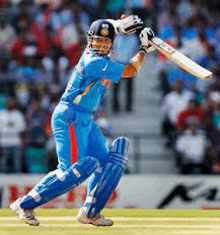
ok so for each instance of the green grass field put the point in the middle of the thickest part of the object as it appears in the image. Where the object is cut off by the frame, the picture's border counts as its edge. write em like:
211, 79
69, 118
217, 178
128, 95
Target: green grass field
127, 221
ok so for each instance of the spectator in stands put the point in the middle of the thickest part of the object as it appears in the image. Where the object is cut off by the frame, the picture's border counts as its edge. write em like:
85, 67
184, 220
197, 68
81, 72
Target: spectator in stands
22, 94
7, 37
64, 69
192, 41
211, 96
48, 17
215, 88
29, 68
202, 86
193, 114
125, 47
47, 28
192, 149
210, 104
48, 60
205, 26
166, 29
173, 103
13, 126
167, 67
5, 3
184, 10
56, 62
179, 74
41, 75
115, 8
48, 63
216, 39
35, 153
92, 8
216, 115
18, 49
214, 137
211, 59
72, 34
141, 8
22, 15
55, 87
50, 157
23, 23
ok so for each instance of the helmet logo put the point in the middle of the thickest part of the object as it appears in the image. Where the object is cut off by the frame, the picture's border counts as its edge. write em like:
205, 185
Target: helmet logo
105, 31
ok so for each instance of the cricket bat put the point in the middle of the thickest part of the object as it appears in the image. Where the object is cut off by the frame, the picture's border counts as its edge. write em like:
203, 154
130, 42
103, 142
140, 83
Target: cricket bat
181, 60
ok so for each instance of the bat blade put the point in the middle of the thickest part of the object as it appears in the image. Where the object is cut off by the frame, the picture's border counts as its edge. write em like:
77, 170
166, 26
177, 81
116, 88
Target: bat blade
181, 60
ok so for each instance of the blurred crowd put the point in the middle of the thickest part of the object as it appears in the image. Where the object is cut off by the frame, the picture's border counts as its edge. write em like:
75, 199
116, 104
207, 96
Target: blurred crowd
42, 40
40, 43
191, 106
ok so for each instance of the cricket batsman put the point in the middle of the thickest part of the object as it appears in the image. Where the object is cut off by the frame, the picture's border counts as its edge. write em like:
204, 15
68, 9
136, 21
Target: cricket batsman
82, 149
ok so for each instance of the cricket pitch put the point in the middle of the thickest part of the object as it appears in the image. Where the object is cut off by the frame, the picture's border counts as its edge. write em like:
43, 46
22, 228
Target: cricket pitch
127, 221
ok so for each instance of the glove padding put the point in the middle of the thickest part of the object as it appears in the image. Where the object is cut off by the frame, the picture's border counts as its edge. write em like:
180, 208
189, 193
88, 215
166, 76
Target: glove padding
129, 25
146, 35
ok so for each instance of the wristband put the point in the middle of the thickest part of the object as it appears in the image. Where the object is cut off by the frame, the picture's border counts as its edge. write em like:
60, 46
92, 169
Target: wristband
143, 49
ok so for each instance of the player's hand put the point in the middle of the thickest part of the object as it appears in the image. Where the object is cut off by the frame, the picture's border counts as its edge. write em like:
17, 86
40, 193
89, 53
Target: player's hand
129, 24
145, 35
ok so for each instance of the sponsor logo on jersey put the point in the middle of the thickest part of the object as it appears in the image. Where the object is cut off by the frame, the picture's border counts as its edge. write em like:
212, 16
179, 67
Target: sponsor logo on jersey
105, 82
104, 68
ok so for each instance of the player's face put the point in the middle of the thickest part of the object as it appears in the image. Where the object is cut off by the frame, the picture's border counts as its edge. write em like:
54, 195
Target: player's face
100, 45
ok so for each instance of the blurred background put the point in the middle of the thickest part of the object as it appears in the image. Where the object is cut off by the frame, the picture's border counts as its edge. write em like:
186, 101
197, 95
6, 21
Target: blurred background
171, 117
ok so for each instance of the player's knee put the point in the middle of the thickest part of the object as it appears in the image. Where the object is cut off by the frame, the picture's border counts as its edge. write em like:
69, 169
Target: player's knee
85, 167
82, 168
119, 151
60, 174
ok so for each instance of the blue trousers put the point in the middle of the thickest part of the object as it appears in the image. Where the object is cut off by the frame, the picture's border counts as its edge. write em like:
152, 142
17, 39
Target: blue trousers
81, 148
77, 135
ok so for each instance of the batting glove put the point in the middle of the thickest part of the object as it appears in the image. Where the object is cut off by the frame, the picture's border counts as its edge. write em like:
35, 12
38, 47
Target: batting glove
128, 25
146, 35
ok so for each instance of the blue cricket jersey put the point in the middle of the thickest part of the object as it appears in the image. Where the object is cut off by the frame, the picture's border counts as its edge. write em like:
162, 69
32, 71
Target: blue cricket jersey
90, 79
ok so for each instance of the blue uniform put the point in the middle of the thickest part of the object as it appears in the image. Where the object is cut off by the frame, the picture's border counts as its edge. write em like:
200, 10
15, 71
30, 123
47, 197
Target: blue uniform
90, 80
82, 149
76, 134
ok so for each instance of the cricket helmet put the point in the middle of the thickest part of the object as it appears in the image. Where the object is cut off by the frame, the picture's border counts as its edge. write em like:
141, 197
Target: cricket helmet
100, 37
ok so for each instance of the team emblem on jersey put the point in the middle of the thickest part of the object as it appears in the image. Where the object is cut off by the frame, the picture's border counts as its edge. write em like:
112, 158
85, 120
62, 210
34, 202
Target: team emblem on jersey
106, 82
105, 31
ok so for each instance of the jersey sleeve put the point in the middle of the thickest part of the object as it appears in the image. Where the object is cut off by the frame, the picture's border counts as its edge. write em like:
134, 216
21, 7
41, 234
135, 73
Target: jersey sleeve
107, 69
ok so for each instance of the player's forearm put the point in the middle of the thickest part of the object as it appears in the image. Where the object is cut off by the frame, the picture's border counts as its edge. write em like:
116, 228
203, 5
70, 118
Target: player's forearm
134, 65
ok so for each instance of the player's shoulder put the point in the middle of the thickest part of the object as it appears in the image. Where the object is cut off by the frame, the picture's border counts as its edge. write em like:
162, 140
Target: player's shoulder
93, 63
100, 61
93, 58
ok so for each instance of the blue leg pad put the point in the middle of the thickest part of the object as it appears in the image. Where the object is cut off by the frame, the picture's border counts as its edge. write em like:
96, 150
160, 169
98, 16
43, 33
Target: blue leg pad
104, 180
58, 182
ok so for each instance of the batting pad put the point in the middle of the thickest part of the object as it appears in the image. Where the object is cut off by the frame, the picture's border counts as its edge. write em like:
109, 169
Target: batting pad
58, 182
104, 180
